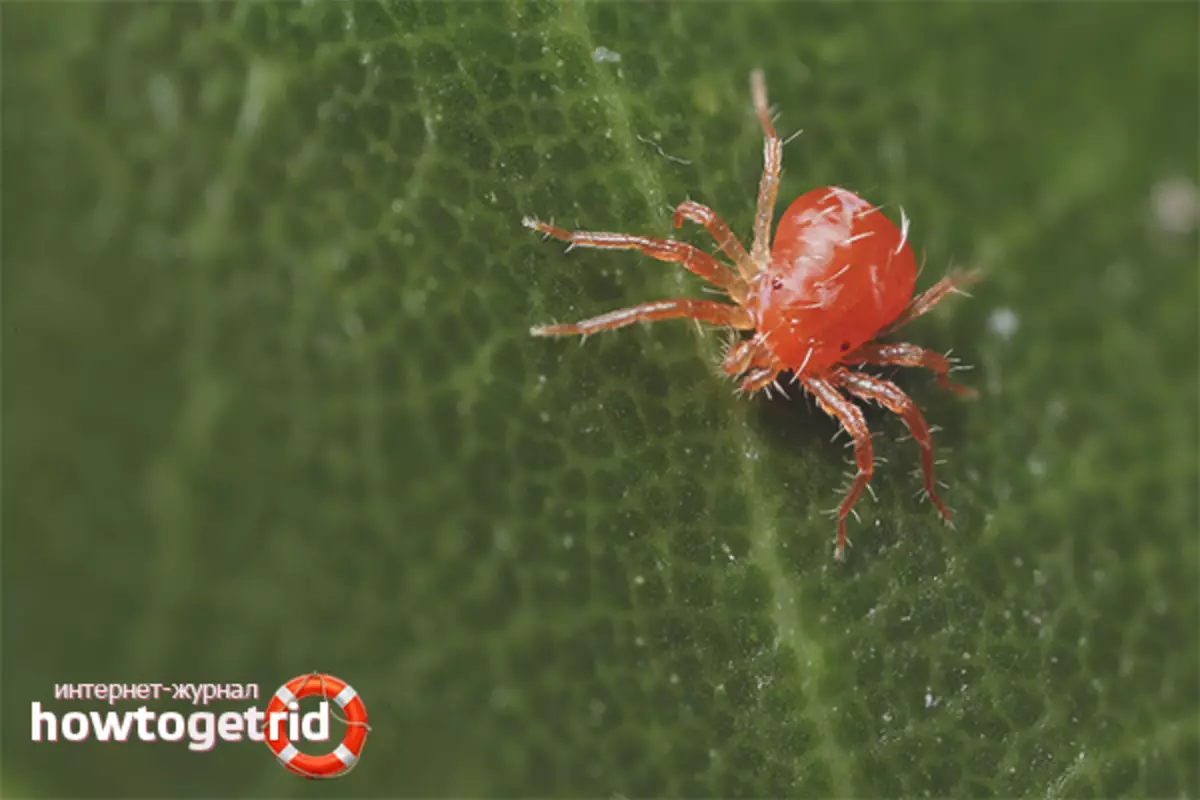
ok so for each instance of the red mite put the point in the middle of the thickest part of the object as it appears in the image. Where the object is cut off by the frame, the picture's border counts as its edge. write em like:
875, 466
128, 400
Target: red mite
839, 276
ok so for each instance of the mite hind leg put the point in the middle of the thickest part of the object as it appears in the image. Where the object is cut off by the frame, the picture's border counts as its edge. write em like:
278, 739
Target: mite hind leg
954, 283
909, 355
891, 397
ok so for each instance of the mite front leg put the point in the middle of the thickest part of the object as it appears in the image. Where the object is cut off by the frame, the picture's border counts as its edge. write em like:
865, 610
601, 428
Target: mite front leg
699, 310
751, 359
694, 260
739, 357
834, 404
909, 355
759, 378
748, 353
921, 304
768, 187
890, 396
727, 243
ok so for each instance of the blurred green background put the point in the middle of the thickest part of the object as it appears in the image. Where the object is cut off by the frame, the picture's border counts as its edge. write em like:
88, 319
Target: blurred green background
270, 404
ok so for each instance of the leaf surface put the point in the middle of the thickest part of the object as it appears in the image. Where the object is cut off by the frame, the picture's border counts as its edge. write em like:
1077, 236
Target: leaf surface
271, 404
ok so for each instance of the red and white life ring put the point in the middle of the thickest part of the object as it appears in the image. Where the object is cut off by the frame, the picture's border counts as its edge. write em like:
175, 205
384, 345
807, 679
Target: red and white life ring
345, 754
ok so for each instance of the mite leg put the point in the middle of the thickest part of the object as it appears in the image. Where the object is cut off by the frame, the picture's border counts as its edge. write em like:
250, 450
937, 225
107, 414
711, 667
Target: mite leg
909, 355
922, 303
890, 396
696, 261
748, 353
751, 359
699, 310
727, 243
836, 405
739, 357
759, 378
768, 187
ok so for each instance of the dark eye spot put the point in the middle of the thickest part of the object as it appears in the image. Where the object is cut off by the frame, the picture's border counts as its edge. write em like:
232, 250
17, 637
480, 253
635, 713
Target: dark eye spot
776, 283
845, 346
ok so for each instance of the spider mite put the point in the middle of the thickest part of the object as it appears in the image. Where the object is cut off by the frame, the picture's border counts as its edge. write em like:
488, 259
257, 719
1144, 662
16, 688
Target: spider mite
839, 276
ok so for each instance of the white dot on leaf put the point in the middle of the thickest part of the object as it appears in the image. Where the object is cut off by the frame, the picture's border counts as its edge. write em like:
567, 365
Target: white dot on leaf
1003, 322
602, 55
1175, 204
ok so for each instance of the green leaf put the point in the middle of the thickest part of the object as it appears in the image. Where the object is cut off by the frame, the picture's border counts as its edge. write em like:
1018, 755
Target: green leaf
271, 405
